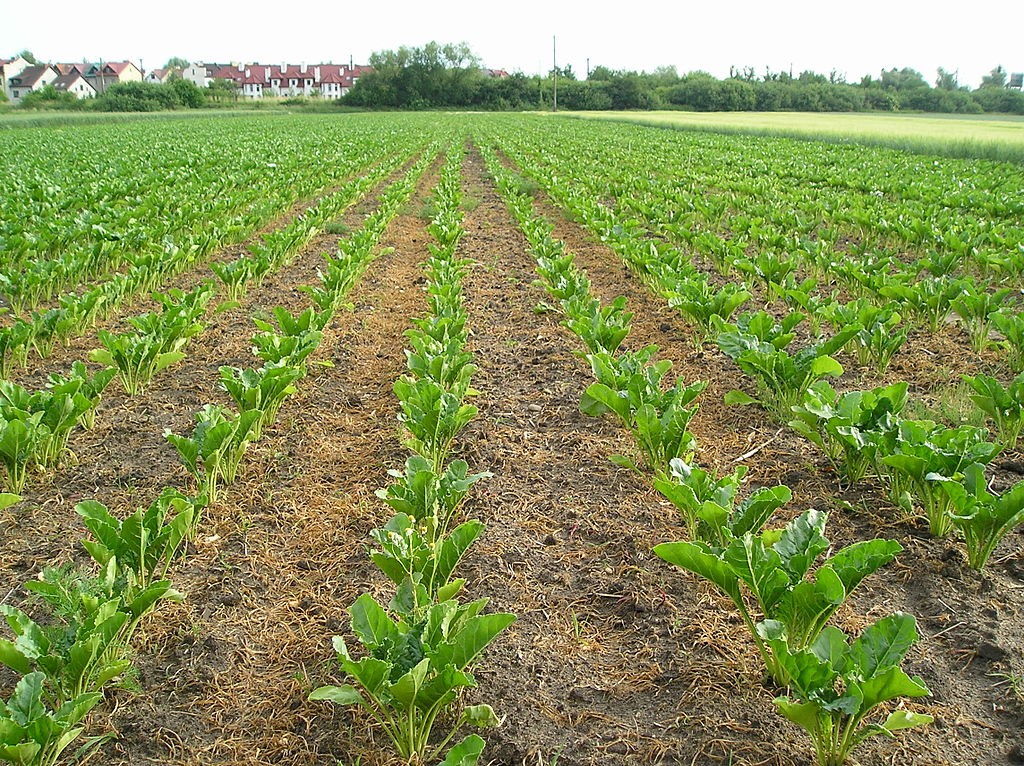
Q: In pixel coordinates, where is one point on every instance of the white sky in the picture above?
(852, 38)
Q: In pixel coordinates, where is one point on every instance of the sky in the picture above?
(853, 39)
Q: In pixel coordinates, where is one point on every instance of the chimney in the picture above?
(316, 73)
(303, 68)
(267, 77)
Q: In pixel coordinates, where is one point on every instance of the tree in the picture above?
(27, 55)
(902, 79)
(49, 97)
(995, 79)
(176, 62)
(188, 93)
(222, 90)
(420, 78)
(947, 80)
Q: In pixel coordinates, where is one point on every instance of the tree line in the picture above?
(451, 76)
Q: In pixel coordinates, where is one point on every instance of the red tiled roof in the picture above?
(228, 73)
(117, 66)
(264, 74)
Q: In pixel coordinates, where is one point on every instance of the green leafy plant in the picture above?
(982, 517)
(78, 655)
(708, 504)
(145, 542)
(1011, 326)
(1005, 405)
(923, 455)
(90, 386)
(881, 334)
(757, 345)
(216, 446)
(433, 417)
(700, 300)
(773, 568)
(137, 357)
(975, 307)
(658, 418)
(235, 275)
(853, 428)
(263, 390)
(412, 672)
(423, 493)
(836, 685)
(442, 361)
(416, 554)
(601, 328)
(20, 438)
(32, 733)
(46, 436)
(930, 300)
(14, 344)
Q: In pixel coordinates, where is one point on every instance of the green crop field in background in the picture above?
(988, 137)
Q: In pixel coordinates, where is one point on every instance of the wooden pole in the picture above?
(554, 70)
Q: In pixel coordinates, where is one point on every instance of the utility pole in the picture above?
(588, 67)
(554, 71)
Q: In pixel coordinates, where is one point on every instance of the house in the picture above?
(329, 81)
(80, 67)
(75, 83)
(227, 72)
(161, 76)
(202, 74)
(29, 79)
(10, 68)
(102, 76)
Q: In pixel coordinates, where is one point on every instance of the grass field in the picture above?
(979, 137)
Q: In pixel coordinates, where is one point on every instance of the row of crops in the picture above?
(813, 270)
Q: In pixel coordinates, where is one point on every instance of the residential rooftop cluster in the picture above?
(19, 77)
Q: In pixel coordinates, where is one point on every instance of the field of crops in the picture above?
(371, 439)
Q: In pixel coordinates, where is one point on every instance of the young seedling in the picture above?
(412, 672)
(983, 518)
(836, 685)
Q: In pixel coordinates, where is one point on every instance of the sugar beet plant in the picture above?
(83, 642)
(35, 426)
(630, 384)
(417, 656)
(757, 344)
(837, 684)
(768, 573)
(158, 340)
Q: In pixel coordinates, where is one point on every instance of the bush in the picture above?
(995, 99)
(150, 97)
(49, 97)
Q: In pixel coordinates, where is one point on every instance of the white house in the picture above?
(329, 81)
(30, 79)
(10, 68)
(73, 82)
(198, 74)
(163, 75)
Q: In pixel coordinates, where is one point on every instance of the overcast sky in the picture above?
(853, 38)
